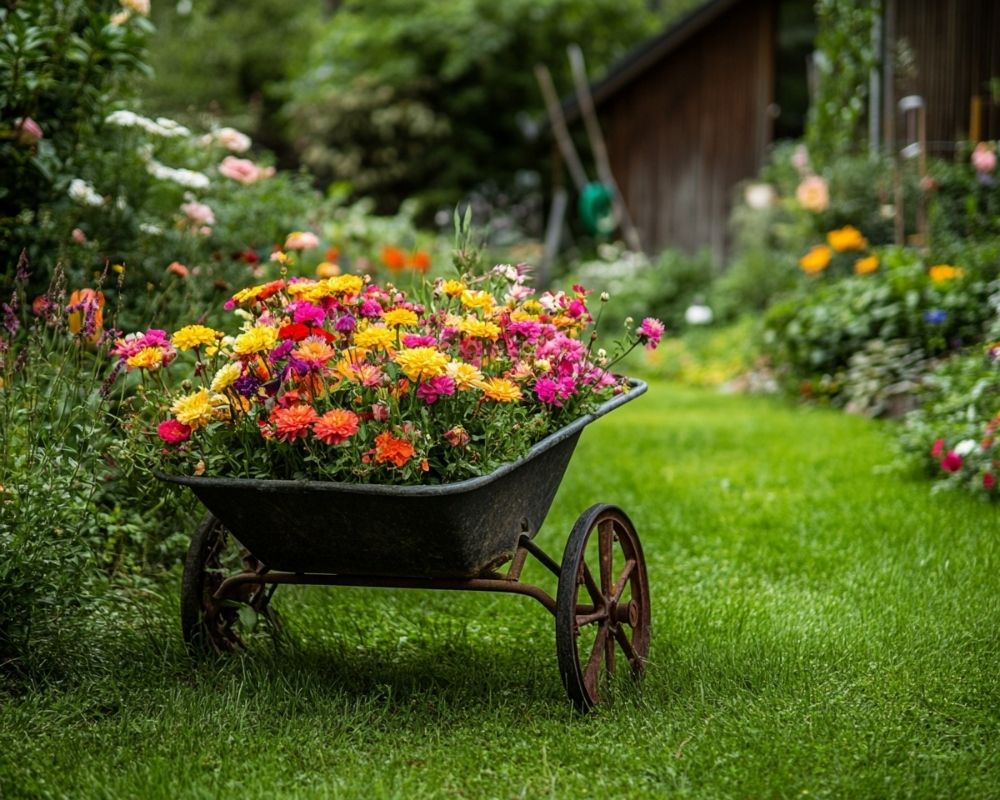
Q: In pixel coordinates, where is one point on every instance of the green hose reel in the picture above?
(596, 209)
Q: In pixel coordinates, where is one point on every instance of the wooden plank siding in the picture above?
(956, 50)
(687, 129)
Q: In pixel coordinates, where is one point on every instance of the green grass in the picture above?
(822, 628)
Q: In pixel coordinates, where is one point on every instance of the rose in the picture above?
(813, 194)
(29, 132)
(984, 159)
(243, 170)
(198, 213)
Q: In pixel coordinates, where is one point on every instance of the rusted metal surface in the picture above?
(456, 530)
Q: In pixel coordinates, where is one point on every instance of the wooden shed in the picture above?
(691, 113)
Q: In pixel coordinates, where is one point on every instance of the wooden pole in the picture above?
(559, 130)
(598, 146)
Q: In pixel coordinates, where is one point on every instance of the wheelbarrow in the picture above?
(259, 534)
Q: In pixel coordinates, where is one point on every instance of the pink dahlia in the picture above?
(650, 332)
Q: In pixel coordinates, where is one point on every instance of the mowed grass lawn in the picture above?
(821, 628)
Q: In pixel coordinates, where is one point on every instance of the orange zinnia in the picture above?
(336, 426)
(389, 448)
(293, 422)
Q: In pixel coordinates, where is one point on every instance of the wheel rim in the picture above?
(209, 623)
(602, 607)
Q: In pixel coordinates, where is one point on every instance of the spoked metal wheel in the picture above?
(211, 625)
(602, 605)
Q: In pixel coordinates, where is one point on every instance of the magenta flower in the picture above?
(415, 340)
(650, 332)
(437, 387)
(952, 462)
(173, 431)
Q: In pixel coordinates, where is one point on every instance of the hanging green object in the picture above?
(596, 209)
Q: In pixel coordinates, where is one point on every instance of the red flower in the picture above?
(952, 462)
(937, 448)
(296, 332)
(988, 481)
(173, 431)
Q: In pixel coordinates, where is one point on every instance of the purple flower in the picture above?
(246, 385)
(371, 308)
(346, 323)
(281, 351)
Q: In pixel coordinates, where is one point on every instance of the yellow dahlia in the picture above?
(398, 317)
(195, 410)
(421, 363)
(256, 340)
(479, 329)
(226, 377)
(453, 288)
(465, 375)
(501, 390)
(345, 284)
(191, 336)
(477, 299)
(375, 337)
(148, 358)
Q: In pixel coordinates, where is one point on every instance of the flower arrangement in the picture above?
(344, 379)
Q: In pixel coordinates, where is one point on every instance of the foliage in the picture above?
(813, 334)
(662, 287)
(62, 66)
(427, 98)
(846, 55)
(964, 209)
(883, 378)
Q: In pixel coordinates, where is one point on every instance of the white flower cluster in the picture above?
(82, 192)
(161, 126)
(184, 177)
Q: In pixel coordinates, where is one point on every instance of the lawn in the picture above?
(822, 627)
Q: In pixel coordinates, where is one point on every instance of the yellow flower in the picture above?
(864, 266)
(248, 295)
(375, 337)
(940, 273)
(192, 336)
(846, 238)
(398, 317)
(309, 290)
(226, 377)
(453, 288)
(345, 284)
(501, 390)
(477, 299)
(531, 307)
(816, 260)
(480, 329)
(421, 363)
(465, 375)
(197, 409)
(148, 358)
(522, 316)
(326, 269)
(255, 340)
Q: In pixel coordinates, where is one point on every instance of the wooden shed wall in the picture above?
(688, 129)
(956, 45)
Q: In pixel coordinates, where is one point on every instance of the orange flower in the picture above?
(314, 352)
(293, 422)
(336, 426)
(864, 266)
(420, 261)
(941, 273)
(816, 260)
(86, 313)
(846, 238)
(501, 390)
(393, 258)
(389, 448)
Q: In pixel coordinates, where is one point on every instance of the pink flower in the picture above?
(952, 462)
(29, 132)
(800, 158)
(416, 340)
(78, 236)
(650, 332)
(380, 412)
(457, 436)
(173, 431)
(988, 481)
(813, 193)
(178, 269)
(198, 213)
(301, 240)
(243, 170)
(430, 391)
(984, 158)
(937, 448)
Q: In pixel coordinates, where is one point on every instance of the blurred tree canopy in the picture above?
(430, 98)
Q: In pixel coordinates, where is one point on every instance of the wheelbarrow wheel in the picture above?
(210, 625)
(602, 604)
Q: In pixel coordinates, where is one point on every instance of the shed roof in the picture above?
(649, 52)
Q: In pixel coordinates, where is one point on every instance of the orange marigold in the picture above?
(293, 422)
(389, 448)
(336, 426)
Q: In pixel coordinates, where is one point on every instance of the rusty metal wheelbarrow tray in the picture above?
(454, 530)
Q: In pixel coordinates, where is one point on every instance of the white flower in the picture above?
(231, 139)
(183, 177)
(698, 314)
(84, 193)
(150, 229)
(138, 6)
(966, 446)
(161, 126)
(759, 196)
